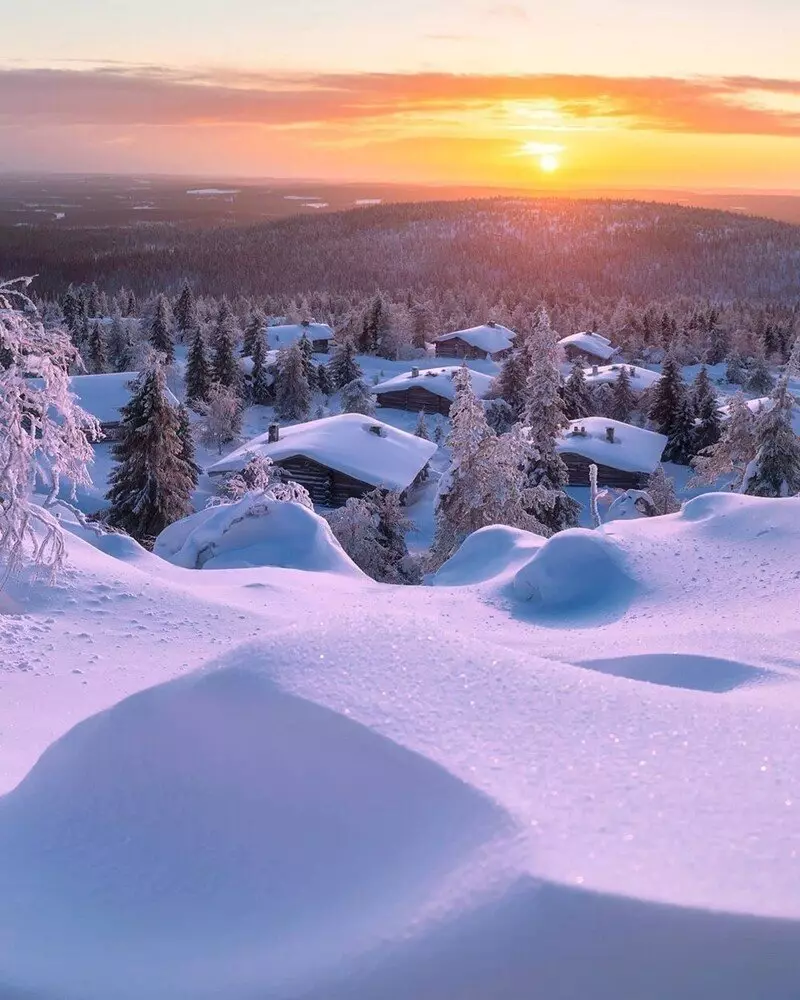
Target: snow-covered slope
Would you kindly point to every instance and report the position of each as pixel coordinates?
(460, 791)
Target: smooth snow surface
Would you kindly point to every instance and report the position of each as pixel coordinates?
(592, 343)
(344, 442)
(571, 775)
(633, 449)
(439, 381)
(103, 396)
(491, 338)
(254, 532)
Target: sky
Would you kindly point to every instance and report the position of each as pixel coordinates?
(572, 94)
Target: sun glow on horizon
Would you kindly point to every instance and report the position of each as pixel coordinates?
(549, 163)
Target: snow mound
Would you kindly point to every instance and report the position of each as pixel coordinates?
(217, 835)
(489, 554)
(576, 570)
(254, 532)
(695, 673)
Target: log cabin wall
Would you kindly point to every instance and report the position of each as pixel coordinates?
(327, 487)
(578, 468)
(458, 348)
(415, 399)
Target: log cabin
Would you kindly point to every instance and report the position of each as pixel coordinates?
(429, 390)
(589, 347)
(490, 341)
(319, 334)
(625, 455)
(335, 458)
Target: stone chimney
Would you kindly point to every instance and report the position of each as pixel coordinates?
(273, 433)
(595, 370)
(491, 323)
(415, 372)
(610, 435)
(376, 429)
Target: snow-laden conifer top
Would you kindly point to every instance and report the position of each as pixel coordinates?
(491, 337)
(633, 449)
(345, 442)
(439, 381)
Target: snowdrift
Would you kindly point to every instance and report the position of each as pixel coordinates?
(488, 554)
(254, 532)
(219, 834)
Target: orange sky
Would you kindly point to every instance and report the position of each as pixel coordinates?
(559, 97)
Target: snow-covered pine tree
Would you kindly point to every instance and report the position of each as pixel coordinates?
(624, 400)
(357, 398)
(309, 367)
(379, 548)
(225, 369)
(793, 364)
(292, 391)
(512, 379)
(45, 436)
(544, 419)
(602, 400)
(98, 361)
(260, 381)
(185, 313)
(222, 417)
(661, 490)
(577, 395)
(775, 471)
(343, 367)
(253, 332)
(198, 372)
(151, 484)
(130, 305)
(681, 444)
(709, 424)
(187, 443)
(72, 308)
(735, 371)
(421, 428)
(374, 326)
(323, 380)
(261, 475)
(666, 396)
(760, 382)
(734, 450)
(499, 415)
(160, 336)
(119, 346)
(701, 391)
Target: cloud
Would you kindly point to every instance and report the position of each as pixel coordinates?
(508, 12)
(162, 97)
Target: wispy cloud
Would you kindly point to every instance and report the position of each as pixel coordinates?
(158, 96)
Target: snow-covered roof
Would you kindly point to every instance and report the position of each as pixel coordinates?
(491, 337)
(270, 359)
(285, 336)
(641, 378)
(103, 396)
(592, 343)
(439, 381)
(344, 442)
(633, 449)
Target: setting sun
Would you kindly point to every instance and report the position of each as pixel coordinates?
(549, 163)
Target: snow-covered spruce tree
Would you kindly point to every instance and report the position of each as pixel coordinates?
(775, 470)
(120, 355)
(793, 364)
(666, 396)
(185, 313)
(511, 380)
(152, 483)
(308, 361)
(160, 336)
(602, 400)
(261, 475)
(760, 382)
(544, 419)
(372, 531)
(260, 380)
(577, 394)
(343, 367)
(98, 361)
(499, 415)
(187, 443)
(222, 417)
(253, 332)
(323, 380)
(357, 398)
(374, 326)
(198, 372)
(681, 444)
(225, 369)
(735, 371)
(661, 490)
(292, 391)
(708, 429)
(421, 428)
(624, 400)
(701, 391)
(734, 450)
(487, 479)
(44, 436)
